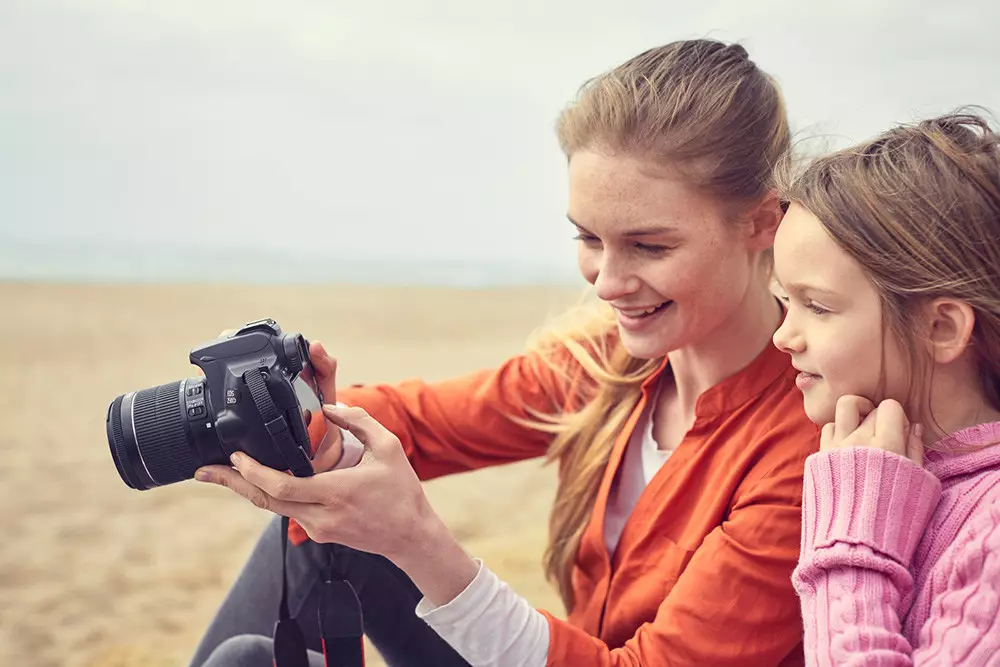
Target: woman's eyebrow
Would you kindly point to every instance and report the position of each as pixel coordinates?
(650, 230)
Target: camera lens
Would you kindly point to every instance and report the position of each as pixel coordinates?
(150, 442)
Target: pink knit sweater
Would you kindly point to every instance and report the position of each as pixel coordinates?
(900, 564)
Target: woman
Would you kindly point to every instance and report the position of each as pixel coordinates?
(678, 431)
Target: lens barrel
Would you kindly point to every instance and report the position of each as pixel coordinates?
(150, 441)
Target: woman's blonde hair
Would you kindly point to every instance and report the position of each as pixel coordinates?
(706, 111)
(918, 207)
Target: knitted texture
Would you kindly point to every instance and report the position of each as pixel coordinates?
(900, 564)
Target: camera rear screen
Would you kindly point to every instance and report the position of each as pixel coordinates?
(309, 395)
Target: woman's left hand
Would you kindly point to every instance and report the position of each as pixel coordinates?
(857, 423)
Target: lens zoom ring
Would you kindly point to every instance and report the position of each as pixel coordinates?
(159, 431)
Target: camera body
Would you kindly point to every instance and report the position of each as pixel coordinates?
(258, 395)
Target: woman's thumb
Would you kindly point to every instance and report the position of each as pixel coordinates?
(325, 368)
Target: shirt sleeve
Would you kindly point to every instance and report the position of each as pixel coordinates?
(489, 625)
(864, 512)
(469, 422)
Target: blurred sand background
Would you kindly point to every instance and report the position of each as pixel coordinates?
(95, 574)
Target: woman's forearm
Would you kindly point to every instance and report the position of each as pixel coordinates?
(436, 562)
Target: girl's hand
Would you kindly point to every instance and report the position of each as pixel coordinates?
(858, 423)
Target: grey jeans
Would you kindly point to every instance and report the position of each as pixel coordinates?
(240, 633)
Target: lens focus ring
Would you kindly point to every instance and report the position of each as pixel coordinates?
(160, 434)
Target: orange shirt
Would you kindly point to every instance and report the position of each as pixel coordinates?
(702, 572)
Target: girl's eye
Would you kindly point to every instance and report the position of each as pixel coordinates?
(812, 306)
(819, 310)
(586, 238)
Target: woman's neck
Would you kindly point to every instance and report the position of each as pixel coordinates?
(729, 348)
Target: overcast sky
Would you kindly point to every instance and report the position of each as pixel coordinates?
(411, 129)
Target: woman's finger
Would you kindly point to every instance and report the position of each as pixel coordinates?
(234, 481)
(325, 368)
(364, 427)
(279, 485)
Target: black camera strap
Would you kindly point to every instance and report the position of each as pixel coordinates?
(276, 424)
(289, 643)
(340, 621)
(340, 618)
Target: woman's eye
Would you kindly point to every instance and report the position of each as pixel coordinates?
(652, 249)
(587, 238)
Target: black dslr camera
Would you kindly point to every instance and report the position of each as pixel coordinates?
(259, 395)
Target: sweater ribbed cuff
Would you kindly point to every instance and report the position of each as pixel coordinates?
(868, 496)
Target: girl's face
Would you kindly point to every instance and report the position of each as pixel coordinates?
(658, 251)
(833, 328)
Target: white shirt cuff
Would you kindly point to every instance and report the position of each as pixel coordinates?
(489, 625)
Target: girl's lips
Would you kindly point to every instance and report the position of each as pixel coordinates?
(806, 381)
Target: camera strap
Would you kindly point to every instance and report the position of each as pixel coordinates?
(275, 422)
(289, 643)
(340, 618)
(340, 621)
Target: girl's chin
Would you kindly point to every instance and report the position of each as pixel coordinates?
(820, 412)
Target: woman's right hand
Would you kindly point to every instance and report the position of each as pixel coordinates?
(325, 368)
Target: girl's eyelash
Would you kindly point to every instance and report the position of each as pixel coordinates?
(819, 310)
(812, 306)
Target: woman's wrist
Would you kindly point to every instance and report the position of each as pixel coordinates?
(436, 562)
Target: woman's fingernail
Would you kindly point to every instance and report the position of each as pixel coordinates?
(202, 476)
(236, 458)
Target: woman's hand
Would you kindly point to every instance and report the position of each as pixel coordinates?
(325, 369)
(858, 423)
(378, 506)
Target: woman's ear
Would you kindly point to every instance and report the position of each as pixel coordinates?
(951, 322)
(764, 220)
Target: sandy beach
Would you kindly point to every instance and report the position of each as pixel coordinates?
(94, 574)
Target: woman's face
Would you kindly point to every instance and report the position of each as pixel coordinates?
(660, 252)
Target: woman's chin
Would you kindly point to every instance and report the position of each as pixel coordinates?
(643, 348)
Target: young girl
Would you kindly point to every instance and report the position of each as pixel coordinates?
(890, 259)
(676, 424)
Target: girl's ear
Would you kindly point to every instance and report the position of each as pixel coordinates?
(951, 322)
